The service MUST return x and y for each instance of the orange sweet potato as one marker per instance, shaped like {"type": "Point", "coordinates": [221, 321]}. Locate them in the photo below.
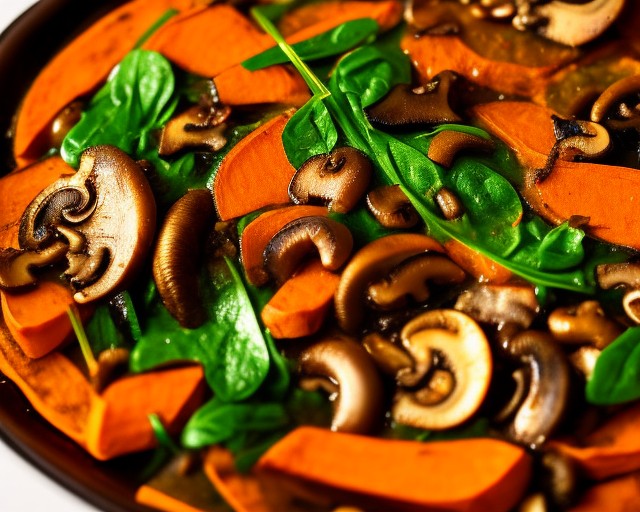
{"type": "Point", "coordinates": [80, 67]}
{"type": "Point", "coordinates": [300, 305]}
{"type": "Point", "coordinates": [119, 422]}
{"type": "Point", "coordinates": [618, 495]}
{"type": "Point", "coordinates": [19, 188]}
{"type": "Point", "coordinates": [255, 173]}
{"type": "Point", "coordinates": [613, 449]}
{"type": "Point", "coordinates": [476, 264]}
{"type": "Point", "coordinates": [605, 194]}
{"type": "Point", "coordinates": [310, 20]}
{"type": "Point", "coordinates": [278, 84]}
{"type": "Point", "coordinates": [207, 42]}
{"type": "Point", "coordinates": [471, 475]}
{"type": "Point", "coordinates": [151, 497]}
{"type": "Point", "coordinates": [258, 232]}
{"type": "Point", "coordinates": [54, 386]}
{"type": "Point", "coordinates": [37, 318]}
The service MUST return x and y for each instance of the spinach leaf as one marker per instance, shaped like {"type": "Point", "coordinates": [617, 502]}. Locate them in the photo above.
{"type": "Point", "coordinates": [230, 345]}
{"type": "Point", "coordinates": [309, 132]}
{"type": "Point", "coordinates": [616, 377]}
{"type": "Point", "coordinates": [137, 99]}
{"type": "Point", "coordinates": [363, 226]}
{"type": "Point", "coordinates": [334, 42]}
{"type": "Point", "coordinates": [102, 332]}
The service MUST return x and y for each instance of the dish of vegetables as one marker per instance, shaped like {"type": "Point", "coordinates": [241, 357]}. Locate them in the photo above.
{"type": "Point", "coordinates": [333, 255]}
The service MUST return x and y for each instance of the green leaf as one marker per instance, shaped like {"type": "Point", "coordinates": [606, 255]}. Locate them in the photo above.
{"type": "Point", "coordinates": [102, 332]}
{"type": "Point", "coordinates": [137, 99]}
{"type": "Point", "coordinates": [230, 344]}
{"type": "Point", "coordinates": [616, 377]}
{"type": "Point", "coordinates": [217, 422]}
{"type": "Point", "coordinates": [309, 132]}
{"type": "Point", "coordinates": [363, 226]}
{"type": "Point", "coordinates": [334, 42]}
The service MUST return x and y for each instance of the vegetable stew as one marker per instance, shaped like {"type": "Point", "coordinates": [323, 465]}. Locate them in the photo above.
{"type": "Point", "coordinates": [335, 255]}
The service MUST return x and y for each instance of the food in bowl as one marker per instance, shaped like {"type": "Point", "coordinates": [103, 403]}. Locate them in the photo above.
{"type": "Point", "coordinates": [336, 254]}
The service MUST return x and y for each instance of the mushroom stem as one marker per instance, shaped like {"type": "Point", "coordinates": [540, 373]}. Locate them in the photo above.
{"type": "Point", "coordinates": [16, 266]}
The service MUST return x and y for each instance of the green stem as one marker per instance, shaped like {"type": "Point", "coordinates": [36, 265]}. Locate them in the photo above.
{"type": "Point", "coordinates": [85, 347]}
{"type": "Point", "coordinates": [166, 16]}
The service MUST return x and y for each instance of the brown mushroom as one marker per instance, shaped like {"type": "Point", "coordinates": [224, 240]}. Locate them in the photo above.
{"type": "Point", "coordinates": [287, 248]}
{"type": "Point", "coordinates": [111, 207]}
{"type": "Point", "coordinates": [612, 102]}
{"type": "Point", "coordinates": [372, 262]}
{"type": "Point", "coordinates": [449, 203]}
{"type": "Point", "coordinates": [178, 254]}
{"type": "Point", "coordinates": [497, 304]}
{"type": "Point", "coordinates": [446, 145]}
{"type": "Point", "coordinates": [410, 278]}
{"type": "Point", "coordinates": [389, 357]}
{"type": "Point", "coordinates": [627, 274]}
{"type": "Point", "coordinates": [560, 479]}
{"type": "Point", "coordinates": [584, 323]}
{"type": "Point", "coordinates": [64, 121]}
{"type": "Point", "coordinates": [16, 267]}
{"type": "Point", "coordinates": [569, 23]}
{"type": "Point", "coordinates": [409, 107]}
{"type": "Point", "coordinates": [462, 343]}
{"type": "Point", "coordinates": [338, 179]}
{"type": "Point", "coordinates": [584, 360]}
{"type": "Point", "coordinates": [358, 405]}
{"type": "Point", "coordinates": [198, 127]}
{"type": "Point", "coordinates": [546, 401]}
{"type": "Point", "coordinates": [391, 207]}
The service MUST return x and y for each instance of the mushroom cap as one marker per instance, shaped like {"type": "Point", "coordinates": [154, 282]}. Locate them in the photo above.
{"type": "Point", "coordinates": [466, 349]}
{"type": "Point", "coordinates": [109, 203]}
{"type": "Point", "coordinates": [372, 262]}
{"type": "Point", "coordinates": [358, 407]}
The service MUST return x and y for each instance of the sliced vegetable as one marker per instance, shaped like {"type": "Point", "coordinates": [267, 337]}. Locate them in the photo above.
{"type": "Point", "coordinates": [119, 422]}
{"type": "Point", "coordinates": [617, 495]}
{"type": "Point", "coordinates": [470, 475]}
{"type": "Point", "coordinates": [300, 305]}
{"type": "Point", "coordinates": [38, 319]}
{"type": "Point", "coordinates": [255, 173]}
{"type": "Point", "coordinates": [612, 449]}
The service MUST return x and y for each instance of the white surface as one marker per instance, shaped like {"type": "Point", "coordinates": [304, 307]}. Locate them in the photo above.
{"type": "Point", "coordinates": [22, 487]}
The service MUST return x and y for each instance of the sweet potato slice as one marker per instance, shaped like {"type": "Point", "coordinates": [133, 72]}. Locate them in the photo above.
{"type": "Point", "coordinates": [261, 230]}
{"type": "Point", "coordinates": [613, 449]}
{"type": "Point", "coordinates": [476, 264]}
{"type": "Point", "coordinates": [618, 495]}
{"type": "Point", "coordinates": [604, 194]}
{"type": "Point", "coordinates": [119, 423]}
{"type": "Point", "coordinates": [470, 475]}
{"type": "Point", "coordinates": [275, 84]}
{"type": "Point", "coordinates": [300, 305]}
{"type": "Point", "coordinates": [80, 67]}
{"type": "Point", "coordinates": [151, 497]}
{"type": "Point", "coordinates": [37, 318]}
{"type": "Point", "coordinates": [207, 42]}
{"type": "Point", "coordinates": [255, 173]}
{"type": "Point", "coordinates": [54, 386]}
{"type": "Point", "coordinates": [19, 188]}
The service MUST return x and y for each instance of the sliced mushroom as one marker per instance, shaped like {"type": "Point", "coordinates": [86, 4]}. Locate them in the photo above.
{"type": "Point", "coordinates": [464, 346]}
{"type": "Point", "coordinates": [391, 207]}
{"type": "Point", "coordinates": [546, 401]}
{"type": "Point", "coordinates": [408, 107]}
{"type": "Point", "coordinates": [359, 403]}
{"type": "Point", "coordinates": [612, 102]}
{"type": "Point", "coordinates": [198, 127]}
{"type": "Point", "coordinates": [16, 267]}
{"type": "Point", "coordinates": [500, 304]}
{"type": "Point", "coordinates": [389, 357]}
{"type": "Point", "coordinates": [450, 204]}
{"type": "Point", "coordinates": [446, 145]}
{"type": "Point", "coordinates": [111, 364]}
{"type": "Point", "coordinates": [64, 121]}
{"type": "Point", "coordinates": [410, 278]}
{"type": "Point", "coordinates": [584, 323]}
{"type": "Point", "coordinates": [178, 254]}
{"type": "Point", "coordinates": [110, 205]}
{"type": "Point", "coordinates": [561, 480]}
{"type": "Point", "coordinates": [373, 261]}
{"type": "Point", "coordinates": [611, 275]}
{"type": "Point", "coordinates": [570, 23]}
{"type": "Point", "coordinates": [285, 251]}
{"type": "Point", "coordinates": [584, 360]}
{"type": "Point", "coordinates": [338, 179]}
